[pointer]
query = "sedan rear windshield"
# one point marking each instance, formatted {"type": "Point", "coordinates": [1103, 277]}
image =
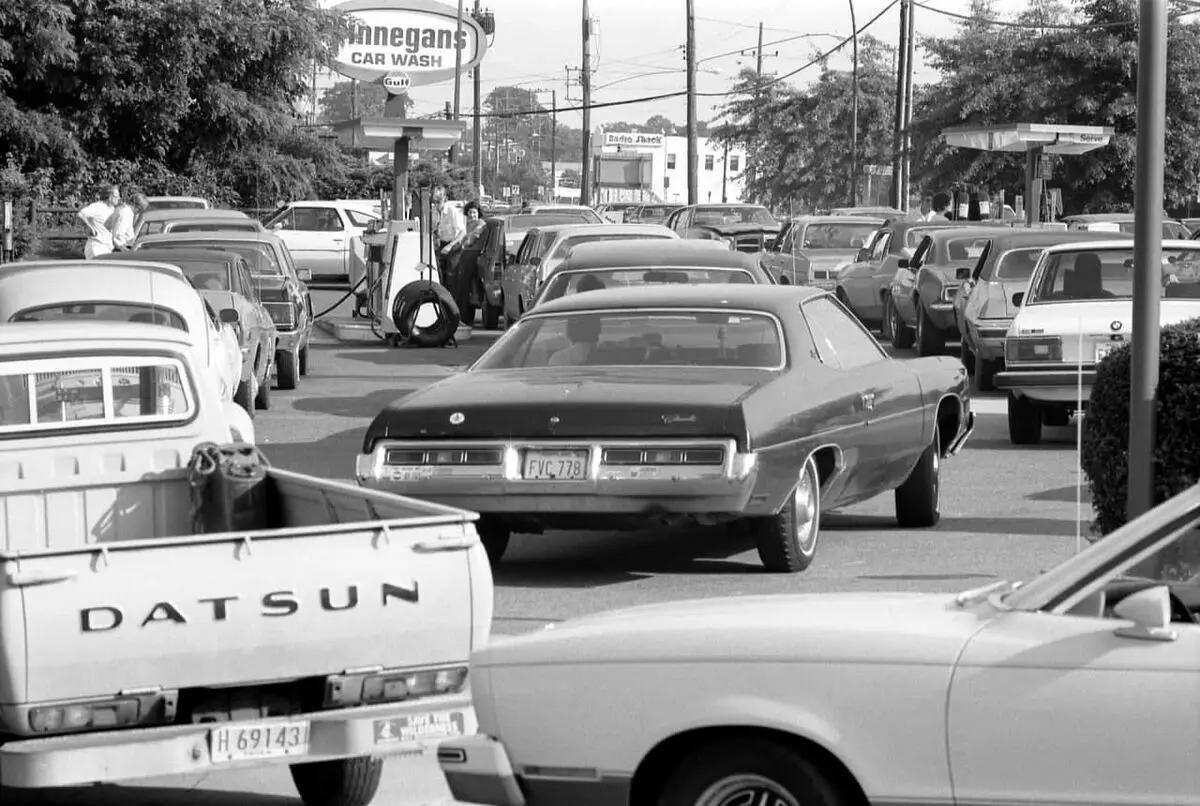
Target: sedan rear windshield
{"type": "Point", "coordinates": [176, 204]}
{"type": "Point", "coordinates": [205, 276]}
{"type": "Point", "coordinates": [639, 338]}
{"type": "Point", "coordinates": [521, 223]}
{"type": "Point", "coordinates": [572, 241]}
{"type": "Point", "coordinates": [103, 311]}
{"type": "Point", "coordinates": [1087, 276]}
{"type": "Point", "coordinates": [214, 226]}
{"type": "Point", "coordinates": [1017, 264]}
{"type": "Point", "coordinates": [966, 249]}
{"type": "Point", "coordinates": [837, 236]}
{"type": "Point", "coordinates": [574, 282]}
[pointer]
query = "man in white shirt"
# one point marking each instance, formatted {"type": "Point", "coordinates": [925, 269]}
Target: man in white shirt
{"type": "Point", "coordinates": [926, 213]}
{"type": "Point", "coordinates": [125, 222]}
{"type": "Point", "coordinates": [97, 217]}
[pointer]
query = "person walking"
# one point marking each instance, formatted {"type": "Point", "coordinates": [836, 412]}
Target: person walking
{"type": "Point", "coordinates": [126, 221]}
{"type": "Point", "coordinates": [97, 217]}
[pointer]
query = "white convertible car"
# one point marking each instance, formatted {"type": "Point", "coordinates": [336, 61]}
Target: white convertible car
{"type": "Point", "coordinates": [1081, 291]}
{"type": "Point", "coordinates": [1081, 686]}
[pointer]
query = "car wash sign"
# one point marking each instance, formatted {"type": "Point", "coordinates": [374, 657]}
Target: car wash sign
{"type": "Point", "coordinates": [417, 38]}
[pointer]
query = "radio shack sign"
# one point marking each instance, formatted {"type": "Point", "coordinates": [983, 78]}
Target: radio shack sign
{"type": "Point", "coordinates": [416, 38]}
{"type": "Point", "coordinates": [633, 139]}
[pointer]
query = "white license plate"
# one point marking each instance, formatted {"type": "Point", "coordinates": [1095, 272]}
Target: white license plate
{"type": "Point", "coordinates": [556, 465]}
{"type": "Point", "coordinates": [1104, 349]}
{"type": "Point", "coordinates": [258, 740]}
{"type": "Point", "coordinates": [419, 727]}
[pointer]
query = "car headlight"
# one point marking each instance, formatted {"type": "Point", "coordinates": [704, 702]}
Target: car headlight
{"type": "Point", "coordinates": [728, 242]}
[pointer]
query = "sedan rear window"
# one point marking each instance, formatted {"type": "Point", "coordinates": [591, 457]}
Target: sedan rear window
{"type": "Point", "coordinates": [572, 241]}
{"type": "Point", "coordinates": [573, 282]}
{"type": "Point", "coordinates": [1017, 264]}
{"type": "Point", "coordinates": [639, 338]}
{"type": "Point", "coordinates": [205, 276]}
{"type": "Point", "coordinates": [213, 226]}
{"type": "Point", "coordinates": [103, 311]}
{"type": "Point", "coordinates": [1088, 276]}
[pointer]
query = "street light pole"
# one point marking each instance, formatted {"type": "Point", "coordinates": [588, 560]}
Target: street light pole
{"type": "Point", "coordinates": [1147, 252]}
{"type": "Point", "coordinates": [854, 112]}
{"type": "Point", "coordinates": [693, 176]}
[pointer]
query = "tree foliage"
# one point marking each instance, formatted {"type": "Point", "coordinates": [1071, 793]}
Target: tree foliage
{"type": "Point", "coordinates": [347, 100]}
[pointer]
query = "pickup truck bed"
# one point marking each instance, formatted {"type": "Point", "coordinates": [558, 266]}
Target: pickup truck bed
{"type": "Point", "coordinates": [110, 605]}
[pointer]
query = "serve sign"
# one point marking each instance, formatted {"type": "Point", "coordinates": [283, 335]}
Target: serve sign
{"type": "Point", "coordinates": [396, 83]}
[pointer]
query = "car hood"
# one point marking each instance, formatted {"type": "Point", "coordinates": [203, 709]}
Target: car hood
{"type": "Point", "coordinates": [739, 229]}
{"type": "Point", "coordinates": [826, 628]}
{"type": "Point", "coordinates": [1097, 316]}
{"type": "Point", "coordinates": [829, 257]}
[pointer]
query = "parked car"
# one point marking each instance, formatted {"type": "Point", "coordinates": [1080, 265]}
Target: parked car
{"type": "Point", "coordinates": [179, 612]}
{"type": "Point", "coordinates": [224, 279]}
{"type": "Point", "coordinates": [544, 248]}
{"type": "Point", "coordinates": [743, 227]}
{"type": "Point", "coordinates": [811, 250]}
{"type": "Point", "coordinates": [923, 287]}
{"type": "Point", "coordinates": [516, 225]}
{"type": "Point", "coordinates": [319, 234]}
{"type": "Point", "coordinates": [1077, 686]}
{"type": "Point", "coordinates": [213, 224]}
{"type": "Point", "coordinates": [177, 203]}
{"type": "Point", "coordinates": [629, 264]}
{"type": "Point", "coordinates": [650, 213]}
{"type": "Point", "coordinates": [120, 290]}
{"type": "Point", "coordinates": [284, 294]}
{"type": "Point", "coordinates": [863, 285]}
{"type": "Point", "coordinates": [983, 306]}
{"type": "Point", "coordinates": [155, 221]}
{"type": "Point", "coordinates": [1081, 294]}
{"type": "Point", "coordinates": [1122, 222]}
{"type": "Point", "coordinates": [587, 213]}
{"type": "Point", "coordinates": [672, 404]}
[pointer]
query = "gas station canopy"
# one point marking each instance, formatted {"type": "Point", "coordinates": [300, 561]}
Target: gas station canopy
{"type": "Point", "coordinates": [1052, 138]}
{"type": "Point", "coordinates": [381, 134]}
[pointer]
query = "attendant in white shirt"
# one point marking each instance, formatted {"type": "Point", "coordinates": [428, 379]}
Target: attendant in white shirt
{"type": "Point", "coordinates": [97, 217]}
{"type": "Point", "coordinates": [125, 222]}
{"type": "Point", "coordinates": [926, 212]}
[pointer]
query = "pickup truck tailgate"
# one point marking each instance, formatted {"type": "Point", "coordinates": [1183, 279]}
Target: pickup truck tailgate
{"type": "Point", "coordinates": [219, 610]}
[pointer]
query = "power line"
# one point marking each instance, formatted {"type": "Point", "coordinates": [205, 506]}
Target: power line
{"type": "Point", "coordinates": [1039, 26]}
{"type": "Point", "coordinates": [667, 96]}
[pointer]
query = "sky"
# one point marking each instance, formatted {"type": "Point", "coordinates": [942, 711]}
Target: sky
{"type": "Point", "coordinates": [637, 48]}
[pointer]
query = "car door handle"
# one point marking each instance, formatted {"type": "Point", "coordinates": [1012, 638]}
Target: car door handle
{"type": "Point", "coordinates": [336, 240]}
{"type": "Point", "coordinates": [868, 401]}
{"type": "Point", "coordinates": [450, 544]}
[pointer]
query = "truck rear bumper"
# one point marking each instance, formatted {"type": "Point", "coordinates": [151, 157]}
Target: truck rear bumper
{"type": "Point", "coordinates": [381, 730]}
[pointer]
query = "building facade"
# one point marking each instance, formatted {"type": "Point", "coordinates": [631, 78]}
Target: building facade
{"type": "Point", "coordinates": [635, 166]}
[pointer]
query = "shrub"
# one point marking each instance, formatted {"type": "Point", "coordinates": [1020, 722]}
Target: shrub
{"type": "Point", "coordinates": [1177, 437]}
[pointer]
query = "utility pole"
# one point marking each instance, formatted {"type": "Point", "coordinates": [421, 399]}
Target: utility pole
{"type": "Point", "coordinates": [693, 177]}
{"type": "Point", "coordinates": [758, 75]}
{"type": "Point", "coordinates": [854, 112]}
{"type": "Point", "coordinates": [897, 194]}
{"type": "Point", "coordinates": [585, 77]}
{"type": "Point", "coordinates": [553, 145]}
{"type": "Point", "coordinates": [906, 147]}
{"type": "Point", "coordinates": [457, 77]}
{"type": "Point", "coordinates": [476, 131]}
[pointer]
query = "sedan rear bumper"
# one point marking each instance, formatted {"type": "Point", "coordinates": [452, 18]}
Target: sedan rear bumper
{"type": "Point", "coordinates": [1050, 385]}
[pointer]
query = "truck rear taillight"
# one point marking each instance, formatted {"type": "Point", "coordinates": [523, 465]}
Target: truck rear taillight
{"type": "Point", "coordinates": [114, 712]}
{"type": "Point", "coordinates": [374, 687]}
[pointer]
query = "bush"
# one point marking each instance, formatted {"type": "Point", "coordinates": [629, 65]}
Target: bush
{"type": "Point", "coordinates": [1177, 437]}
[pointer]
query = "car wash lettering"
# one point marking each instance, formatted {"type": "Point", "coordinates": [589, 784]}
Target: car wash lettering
{"type": "Point", "coordinates": [413, 42]}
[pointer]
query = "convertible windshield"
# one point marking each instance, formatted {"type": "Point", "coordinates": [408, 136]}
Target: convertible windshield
{"type": "Point", "coordinates": [734, 215]}
{"type": "Point", "coordinates": [572, 282]}
{"type": "Point", "coordinates": [1017, 264]}
{"type": "Point", "coordinates": [1108, 274]}
{"type": "Point", "coordinates": [837, 236]}
{"type": "Point", "coordinates": [641, 338]}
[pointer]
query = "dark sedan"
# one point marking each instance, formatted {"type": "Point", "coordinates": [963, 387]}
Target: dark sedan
{"type": "Point", "coordinates": [625, 264]}
{"type": "Point", "coordinates": [755, 406]}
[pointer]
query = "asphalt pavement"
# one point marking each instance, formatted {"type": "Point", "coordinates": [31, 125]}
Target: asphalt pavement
{"type": "Point", "coordinates": [1008, 512]}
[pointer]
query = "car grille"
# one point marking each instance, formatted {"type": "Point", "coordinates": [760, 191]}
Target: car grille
{"type": "Point", "coordinates": [748, 243]}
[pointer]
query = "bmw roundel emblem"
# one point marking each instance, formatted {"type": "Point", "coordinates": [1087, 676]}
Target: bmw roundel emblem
{"type": "Point", "coordinates": [1114, 326]}
{"type": "Point", "coordinates": [457, 418]}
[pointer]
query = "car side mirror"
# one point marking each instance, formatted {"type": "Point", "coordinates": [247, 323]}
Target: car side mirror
{"type": "Point", "coordinates": [962, 274]}
{"type": "Point", "coordinates": [229, 316]}
{"type": "Point", "coordinates": [304, 274]}
{"type": "Point", "coordinates": [904, 263]}
{"type": "Point", "coordinates": [278, 225]}
{"type": "Point", "coordinates": [1018, 298]}
{"type": "Point", "coordinates": [1150, 612]}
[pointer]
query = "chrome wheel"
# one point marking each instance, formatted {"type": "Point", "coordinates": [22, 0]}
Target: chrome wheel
{"type": "Point", "coordinates": [746, 790]}
{"type": "Point", "coordinates": [806, 514]}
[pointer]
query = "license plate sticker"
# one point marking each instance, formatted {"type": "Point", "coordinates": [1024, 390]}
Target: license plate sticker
{"type": "Point", "coordinates": [258, 740]}
{"type": "Point", "coordinates": [1104, 349]}
{"type": "Point", "coordinates": [418, 727]}
{"type": "Point", "coordinates": [556, 465]}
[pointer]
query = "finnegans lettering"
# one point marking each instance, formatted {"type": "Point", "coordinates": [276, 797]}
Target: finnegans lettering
{"type": "Point", "coordinates": [276, 604]}
{"type": "Point", "coordinates": [411, 39]}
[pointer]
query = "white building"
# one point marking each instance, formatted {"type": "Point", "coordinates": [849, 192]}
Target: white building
{"type": "Point", "coordinates": [633, 166]}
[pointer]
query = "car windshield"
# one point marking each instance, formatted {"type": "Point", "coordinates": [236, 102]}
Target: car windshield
{"type": "Point", "coordinates": [574, 282]}
{"type": "Point", "coordinates": [639, 338]}
{"type": "Point", "coordinates": [103, 311]}
{"type": "Point", "coordinates": [260, 256]}
{"type": "Point", "coordinates": [571, 241]}
{"type": "Point", "coordinates": [1089, 275]}
{"type": "Point", "coordinates": [521, 223]}
{"type": "Point", "coordinates": [837, 236]}
{"type": "Point", "coordinates": [965, 249]}
{"type": "Point", "coordinates": [1017, 264]}
{"type": "Point", "coordinates": [734, 215]}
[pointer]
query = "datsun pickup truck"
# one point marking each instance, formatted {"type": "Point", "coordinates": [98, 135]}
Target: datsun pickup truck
{"type": "Point", "coordinates": [134, 643]}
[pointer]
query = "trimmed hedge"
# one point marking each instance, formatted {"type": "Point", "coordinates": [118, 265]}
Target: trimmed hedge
{"type": "Point", "coordinates": [1177, 428]}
